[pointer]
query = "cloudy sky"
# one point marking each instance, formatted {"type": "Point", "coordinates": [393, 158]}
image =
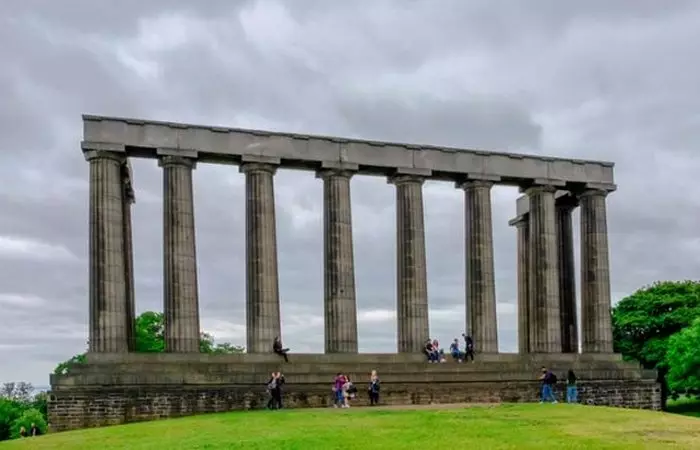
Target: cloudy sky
{"type": "Point", "coordinates": [611, 80]}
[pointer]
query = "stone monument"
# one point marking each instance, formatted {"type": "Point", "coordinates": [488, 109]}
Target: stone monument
{"type": "Point", "coordinates": [117, 385]}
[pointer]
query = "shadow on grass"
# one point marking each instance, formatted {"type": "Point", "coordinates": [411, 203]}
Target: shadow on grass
{"type": "Point", "coordinates": [687, 406]}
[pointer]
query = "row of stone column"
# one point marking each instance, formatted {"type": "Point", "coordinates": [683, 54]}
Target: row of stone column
{"type": "Point", "coordinates": [111, 258]}
{"type": "Point", "coordinates": [547, 313]}
{"type": "Point", "coordinates": [545, 271]}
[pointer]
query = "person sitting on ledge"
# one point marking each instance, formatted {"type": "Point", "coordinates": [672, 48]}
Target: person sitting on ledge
{"type": "Point", "coordinates": [456, 353]}
{"type": "Point", "coordinates": [277, 348]}
{"type": "Point", "coordinates": [430, 352]}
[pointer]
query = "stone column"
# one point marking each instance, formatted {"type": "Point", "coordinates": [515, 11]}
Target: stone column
{"type": "Point", "coordinates": [523, 230]}
{"type": "Point", "coordinates": [340, 308]}
{"type": "Point", "coordinates": [181, 300]}
{"type": "Point", "coordinates": [108, 286]}
{"type": "Point", "coordinates": [595, 274]}
{"type": "Point", "coordinates": [567, 277]}
{"type": "Point", "coordinates": [411, 276]}
{"type": "Point", "coordinates": [128, 200]}
{"type": "Point", "coordinates": [480, 277]}
{"type": "Point", "coordinates": [545, 328]}
{"type": "Point", "coordinates": [262, 284]}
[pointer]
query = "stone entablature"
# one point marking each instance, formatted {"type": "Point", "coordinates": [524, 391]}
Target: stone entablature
{"type": "Point", "coordinates": [144, 138]}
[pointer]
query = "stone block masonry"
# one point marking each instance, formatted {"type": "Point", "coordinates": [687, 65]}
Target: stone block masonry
{"type": "Point", "coordinates": [148, 388]}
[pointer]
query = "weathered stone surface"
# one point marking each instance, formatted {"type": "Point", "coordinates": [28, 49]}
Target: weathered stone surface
{"type": "Point", "coordinates": [262, 278]}
{"type": "Point", "coordinates": [543, 293]}
{"type": "Point", "coordinates": [523, 257]}
{"type": "Point", "coordinates": [340, 307]}
{"type": "Point", "coordinates": [595, 274]}
{"type": "Point", "coordinates": [567, 276]}
{"type": "Point", "coordinates": [128, 200]}
{"type": "Point", "coordinates": [217, 144]}
{"type": "Point", "coordinates": [411, 276]}
{"type": "Point", "coordinates": [176, 385]}
{"type": "Point", "coordinates": [180, 291]}
{"type": "Point", "coordinates": [480, 277]}
{"type": "Point", "coordinates": [109, 330]}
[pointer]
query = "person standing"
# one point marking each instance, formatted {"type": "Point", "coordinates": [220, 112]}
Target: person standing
{"type": "Point", "coordinates": [548, 381]}
{"type": "Point", "coordinates": [373, 389]}
{"type": "Point", "coordinates": [274, 386]}
{"type": "Point", "coordinates": [338, 383]}
{"type": "Point", "coordinates": [468, 347]}
{"type": "Point", "coordinates": [571, 388]}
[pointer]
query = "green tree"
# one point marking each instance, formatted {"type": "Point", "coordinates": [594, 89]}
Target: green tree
{"type": "Point", "coordinates": [150, 338]}
{"type": "Point", "coordinates": [26, 419]}
{"type": "Point", "coordinates": [644, 321]}
{"type": "Point", "coordinates": [10, 410]}
{"type": "Point", "coordinates": [150, 332]}
{"type": "Point", "coordinates": [683, 360]}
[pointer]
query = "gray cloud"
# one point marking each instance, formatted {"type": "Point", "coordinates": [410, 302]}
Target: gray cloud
{"type": "Point", "coordinates": [614, 81]}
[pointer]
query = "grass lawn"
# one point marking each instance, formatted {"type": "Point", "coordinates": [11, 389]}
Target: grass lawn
{"type": "Point", "coordinates": [500, 427]}
{"type": "Point", "coordinates": [685, 405]}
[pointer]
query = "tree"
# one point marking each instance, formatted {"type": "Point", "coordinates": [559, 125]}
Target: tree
{"type": "Point", "coordinates": [150, 333]}
{"type": "Point", "coordinates": [644, 321]}
{"type": "Point", "coordinates": [26, 419]}
{"type": "Point", "coordinates": [683, 360]}
{"type": "Point", "coordinates": [150, 338]}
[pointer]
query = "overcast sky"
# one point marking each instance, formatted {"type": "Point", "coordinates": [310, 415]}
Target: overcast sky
{"type": "Point", "coordinates": [611, 80]}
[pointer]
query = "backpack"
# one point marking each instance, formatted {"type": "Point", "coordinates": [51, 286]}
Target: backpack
{"type": "Point", "coordinates": [552, 378]}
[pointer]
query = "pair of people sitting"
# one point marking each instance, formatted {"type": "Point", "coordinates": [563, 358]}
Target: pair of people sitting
{"type": "Point", "coordinates": [432, 351]}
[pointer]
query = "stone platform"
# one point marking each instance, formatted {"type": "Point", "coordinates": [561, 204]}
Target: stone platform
{"type": "Point", "coordinates": [119, 388]}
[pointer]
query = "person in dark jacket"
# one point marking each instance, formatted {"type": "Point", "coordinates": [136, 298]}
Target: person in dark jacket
{"type": "Point", "coordinates": [274, 386]}
{"type": "Point", "coordinates": [549, 380]}
{"type": "Point", "coordinates": [277, 348]}
{"type": "Point", "coordinates": [468, 347]}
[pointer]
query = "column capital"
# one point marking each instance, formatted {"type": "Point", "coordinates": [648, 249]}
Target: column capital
{"type": "Point", "coordinates": [172, 160]}
{"type": "Point", "coordinates": [400, 179]}
{"type": "Point", "coordinates": [473, 184]}
{"type": "Point", "coordinates": [254, 167]}
{"type": "Point", "coordinates": [104, 154]}
{"type": "Point", "coordinates": [339, 173]}
{"type": "Point", "coordinates": [594, 193]}
{"type": "Point", "coordinates": [540, 189]}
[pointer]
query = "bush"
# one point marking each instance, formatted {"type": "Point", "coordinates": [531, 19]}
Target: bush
{"type": "Point", "coordinates": [683, 360]}
{"type": "Point", "coordinates": [10, 410]}
{"type": "Point", "coordinates": [29, 417]}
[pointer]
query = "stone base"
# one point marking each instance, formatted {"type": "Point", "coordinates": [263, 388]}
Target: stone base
{"type": "Point", "coordinates": [119, 388]}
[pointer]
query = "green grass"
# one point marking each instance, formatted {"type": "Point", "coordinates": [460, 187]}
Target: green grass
{"type": "Point", "coordinates": [685, 405]}
{"type": "Point", "coordinates": [530, 426]}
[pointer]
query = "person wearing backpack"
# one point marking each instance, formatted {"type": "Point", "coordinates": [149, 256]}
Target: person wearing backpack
{"type": "Point", "coordinates": [549, 380]}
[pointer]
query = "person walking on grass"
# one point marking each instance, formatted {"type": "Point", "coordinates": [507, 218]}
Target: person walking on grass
{"type": "Point", "coordinates": [571, 388]}
{"type": "Point", "coordinates": [373, 389]}
{"type": "Point", "coordinates": [548, 380]}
